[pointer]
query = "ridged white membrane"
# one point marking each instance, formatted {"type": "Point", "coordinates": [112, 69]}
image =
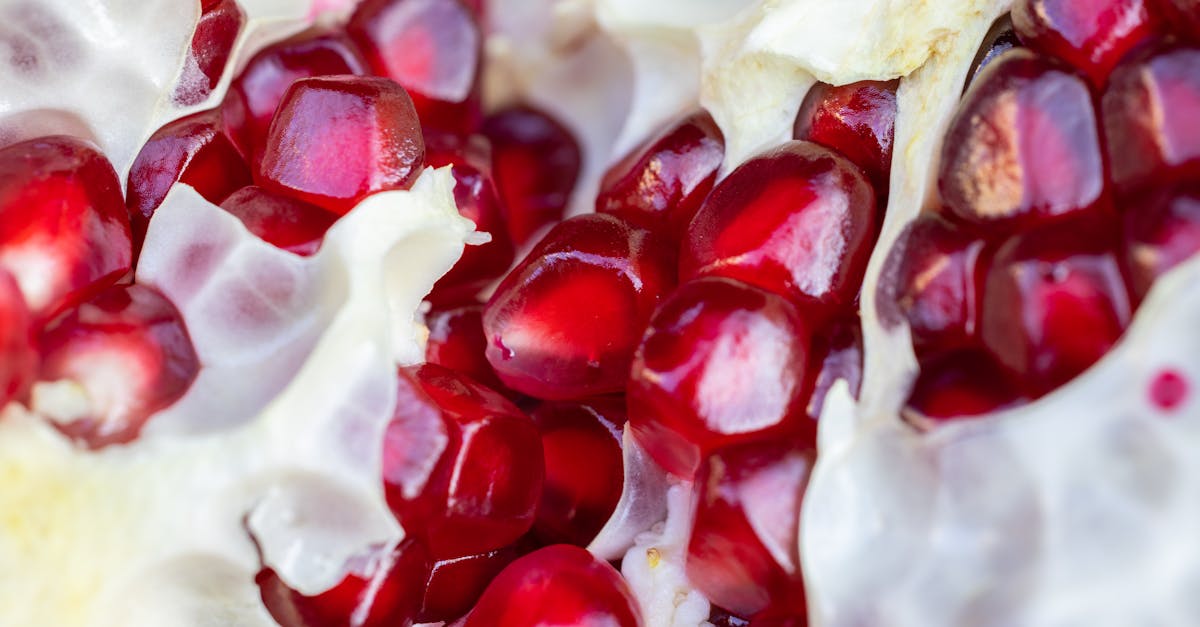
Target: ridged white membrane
{"type": "Point", "coordinates": [1076, 509]}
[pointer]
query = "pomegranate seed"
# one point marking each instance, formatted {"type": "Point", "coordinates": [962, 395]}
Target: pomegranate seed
{"type": "Point", "coordinates": [744, 552]}
{"type": "Point", "coordinates": [129, 350]}
{"type": "Point", "coordinates": [722, 362]}
{"type": "Point", "coordinates": [858, 120]}
{"type": "Point", "coordinates": [431, 47]}
{"type": "Point", "coordinates": [536, 162]}
{"type": "Point", "coordinates": [557, 585]}
{"type": "Point", "coordinates": [385, 593]}
{"type": "Point", "coordinates": [938, 279]}
{"type": "Point", "coordinates": [477, 200]}
{"type": "Point", "coordinates": [212, 42]}
{"type": "Point", "coordinates": [799, 220]}
{"type": "Point", "coordinates": [192, 150]}
{"type": "Point", "coordinates": [64, 229]}
{"type": "Point", "coordinates": [839, 352]}
{"type": "Point", "coordinates": [660, 185]}
{"type": "Point", "coordinates": [959, 385]}
{"type": "Point", "coordinates": [255, 93]}
{"type": "Point", "coordinates": [1054, 303]}
{"type": "Point", "coordinates": [1023, 147]}
{"type": "Point", "coordinates": [283, 222]}
{"type": "Point", "coordinates": [337, 139]}
{"type": "Point", "coordinates": [1183, 15]}
{"type": "Point", "coordinates": [584, 468]}
{"type": "Point", "coordinates": [456, 341]}
{"type": "Point", "coordinates": [454, 585]}
{"type": "Point", "coordinates": [565, 322]}
{"type": "Point", "coordinates": [999, 39]}
{"type": "Point", "coordinates": [1091, 36]}
{"type": "Point", "coordinates": [1150, 120]}
{"type": "Point", "coordinates": [18, 358]}
{"type": "Point", "coordinates": [1168, 390]}
{"type": "Point", "coordinates": [1161, 231]}
{"type": "Point", "coordinates": [462, 466]}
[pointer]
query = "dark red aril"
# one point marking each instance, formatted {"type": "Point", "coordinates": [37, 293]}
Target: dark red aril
{"type": "Point", "coordinates": [1090, 35]}
{"type": "Point", "coordinates": [18, 357]}
{"type": "Point", "coordinates": [660, 185]}
{"type": "Point", "coordinates": [721, 363]}
{"type": "Point", "coordinates": [64, 228]}
{"type": "Point", "coordinates": [536, 163]}
{"type": "Point", "coordinates": [254, 94]}
{"type": "Point", "coordinates": [454, 585]}
{"type": "Point", "coordinates": [721, 617]}
{"type": "Point", "coordinates": [212, 42]}
{"type": "Point", "coordinates": [385, 592]}
{"type": "Point", "coordinates": [1000, 38]}
{"type": "Point", "coordinates": [337, 139]}
{"type": "Point", "coordinates": [565, 322]}
{"type": "Point", "coordinates": [456, 341]}
{"type": "Point", "coordinates": [938, 283]}
{"type": "Point", "coordinates": [283, 222]}
{"type": "Point", "coordinates": [1162, 230]}
{"type": "Point", "coordinates": [837, 355]}
{"type": "Point", "coordinates": [858, 120]}
{"type": "Point", "coordinates": [192, 150]}
{"type": "Point", "coordinates": [799, 220]}
{"type": "Point", "coordinates": [1184, 16]}
{"type": "Point", "coordinates": [744, 552]}
{"type": "Point", "coordinates": [477, 200]}
{"type": "Point", "coordinates": [1024, 147]}
{"type": "Point", "coordinates": [553, 587]}
{"type": "Point", "coordinates": [129, 350]}
{"type": "Point", "coordinates": [1055, 301]}
{"type": "Point", "coordinates": [955, 386]}
{"type": "Point", "coordinates": [1150, 120]}
{"type": "Point", "coordinates": [462, 466]}
{"type": "Point", "coordinates": [585, 470]}
{"type": "Point", "coordinates": [431, 47]}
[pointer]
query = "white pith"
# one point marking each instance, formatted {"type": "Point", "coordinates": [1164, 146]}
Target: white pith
{"type": "Point", "coordinates": [1078, 506]}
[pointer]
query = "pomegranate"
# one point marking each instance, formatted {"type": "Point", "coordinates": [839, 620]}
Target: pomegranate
{"type": "Point", "coordinates": [18, 355]}
{"type": "Point", "coordinates": [1090, 36]}
{"type": "Point", "coordinates": [286, 223]}
{"type": "Point", "coordinates": [456, 341]}
{"type": "Point", "coordinates": [212, 43]}
{"type": "Point", "coordinates": [858, 120]}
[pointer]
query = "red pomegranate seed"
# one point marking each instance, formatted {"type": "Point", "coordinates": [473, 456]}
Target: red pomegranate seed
{"type": "Point", "coordinates": [385, 592]}
{"type": "Point", "coordinates": [959, 385]}
{"type": "Point", "coordinates": [1090, 35]}
{"type": "Point", "coordinates": [1162, 230]}
{"type": "Point", "coordinates": [462, 466]}
{"type": "Point", "coordinates": [938, 282]}
{"type": "Point", "coordinates": [455, 585]}
{"type": "Point", "coordinates": [1024, 146]}
{"type": "Point", "coordinates": [1184, 15]}
{"type": "Point", "coordinates": [838, 352]}
{"type": "Point", "coordinates": [192, 150]}
{"type": "Point", "coordinates": [456, 341]}
{"type": "Point", "coordinates": [799, 221]}
{"type": "Point", "coordinates": [129, 350]}
{"type": "Point", "coordinates": [565, 322]}
{"type": "Point", "coordinates": [744, 552]}
{"type": "Point", "coordinates": [64, 229]}
{"type": "Point", "coordinates": [212, 41]}
{"type": "Point", "coordinates": [1054, 302]}
{"type": "Point", "coordinates": [721, 363]}
{"type": "Point", "coordinates": [337, 139]}
{"type": "Point", "coordinates": [536, 162]}
{"type": "Point", "coordinates": [660, 185]}
{"type": "Point", "coordinates": [557, 585]}
{"type": "Point", "coordinates": [1168, 390]}
{"type": "Point", "coordinates": [584, 468]}
{"type": "Point", "coordinates": [18, 358]}
{"type": "Point", "coordinates": [999, 39]}
{"type": "Point", "coordinates": [431, 47]}
{"type": "Point", "coordinates": [255, 93]}
{"type": "Point", "coordinates": [1150, 120]}
{"type": "Point", "coordinates": [477, 200]}
{"type": "Point", "coordinates": [283, 222]}
{"type": "Point", "coordinates": [858, 120]}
